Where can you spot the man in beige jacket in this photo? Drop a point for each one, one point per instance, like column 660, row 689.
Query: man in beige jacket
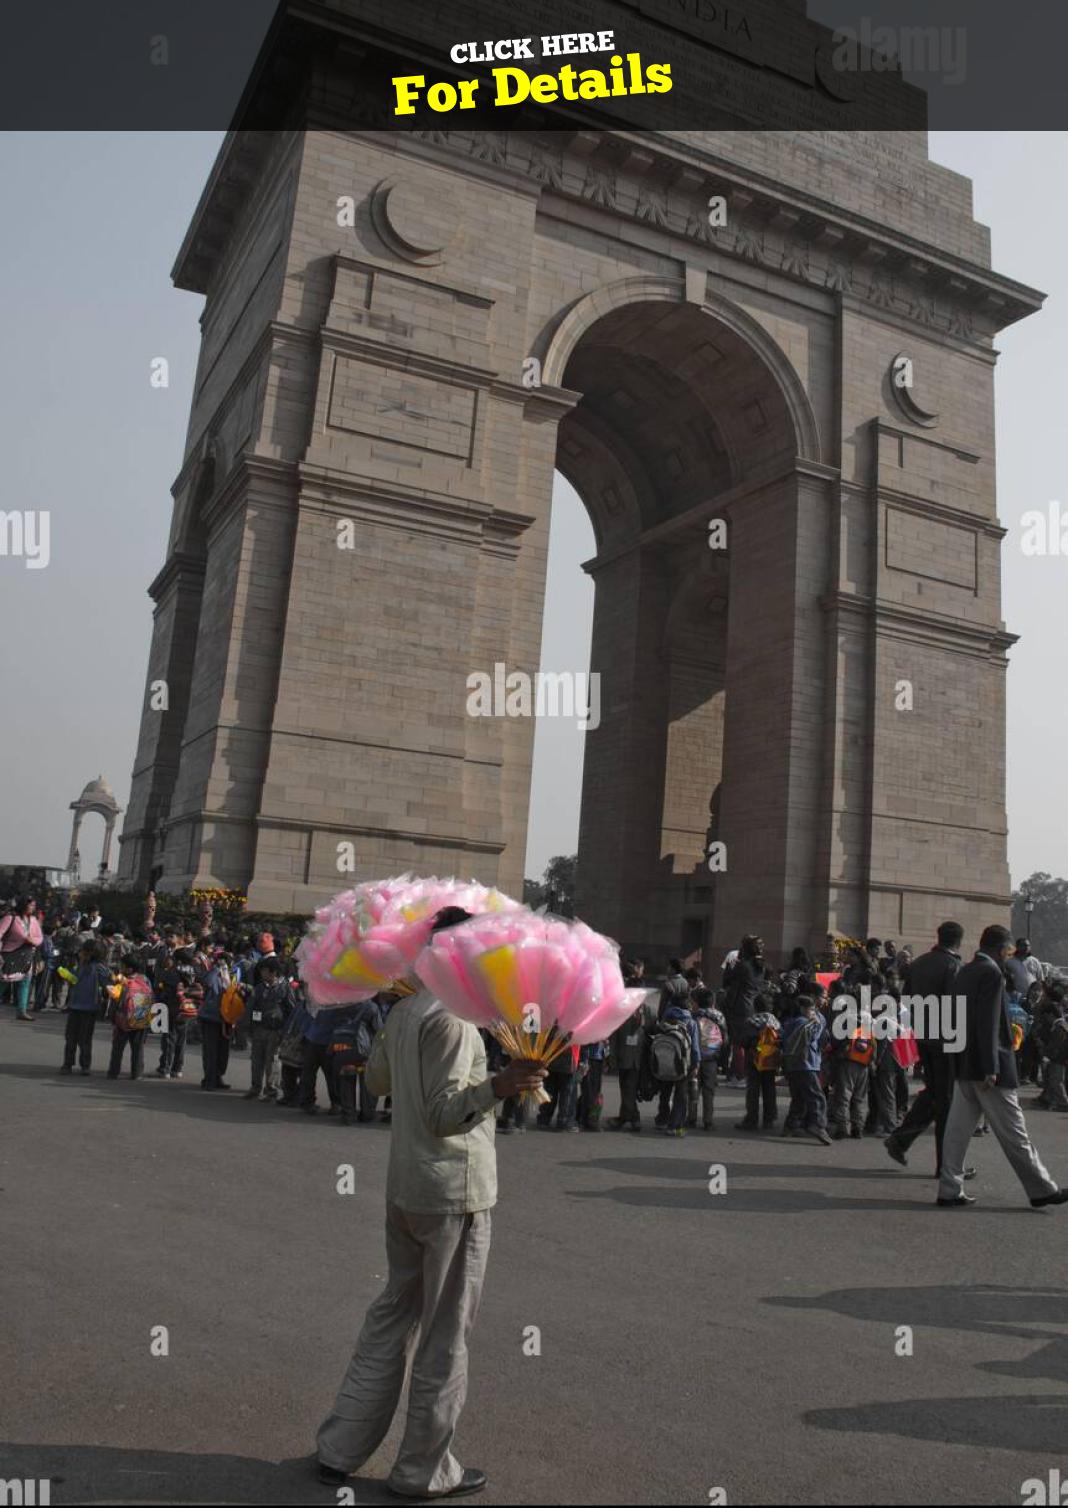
column 441, row 1186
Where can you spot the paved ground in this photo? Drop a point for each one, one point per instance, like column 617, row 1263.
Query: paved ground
column 688, row 1341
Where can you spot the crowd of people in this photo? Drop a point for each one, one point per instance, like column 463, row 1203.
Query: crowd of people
column 762, row 1030
column 222, row 991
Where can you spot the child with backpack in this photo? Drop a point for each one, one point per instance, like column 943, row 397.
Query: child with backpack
column 291, row 1054
column 760, row 1035
column 886, row 1075
column 628, row 1051
column 350, row 1047
column 87, row 995
column 131, row 1017
column 177, row 989
column 803, row 1033
column 712, row 1036
column 591, row 1099
column 853, row 1049
column 561, row 1085
column 1050, row 1034
column 222, row 1005
column 674, row 1048
column 269, row 1010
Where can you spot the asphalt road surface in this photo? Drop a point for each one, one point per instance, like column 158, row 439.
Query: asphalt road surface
column 746, row 1341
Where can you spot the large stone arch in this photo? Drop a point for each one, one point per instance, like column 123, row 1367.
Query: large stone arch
column 367, row 380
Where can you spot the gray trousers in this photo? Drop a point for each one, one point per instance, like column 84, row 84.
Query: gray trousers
column 265, row 1058
column 437, row 1264
column 849, row 1094
column 1054, row 1091
column 972, row 1099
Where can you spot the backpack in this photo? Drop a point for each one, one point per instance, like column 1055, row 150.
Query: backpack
column 711, row 1034
column 795, row 1043
column 861, row 1047
column 767, row 1052
column 291, row 1049
column 232, row 1004
column 350, row 1046
column 669, row 1052
column 133, row 1009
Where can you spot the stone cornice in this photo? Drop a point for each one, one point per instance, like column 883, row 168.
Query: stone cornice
column 443, row 368
column 778, row 229
column 180, row 563
column 922, row 627
column 925, row 508
column 920, row 437
column 496, row 530
column 296, row 824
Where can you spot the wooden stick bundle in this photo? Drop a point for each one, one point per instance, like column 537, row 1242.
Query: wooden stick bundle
column 543, row 1048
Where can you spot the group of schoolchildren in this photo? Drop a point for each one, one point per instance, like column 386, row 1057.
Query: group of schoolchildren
column 171, row 987
column 763, row 1031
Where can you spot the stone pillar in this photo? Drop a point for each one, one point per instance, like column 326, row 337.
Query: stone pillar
column 75, row 828
column 109, row 828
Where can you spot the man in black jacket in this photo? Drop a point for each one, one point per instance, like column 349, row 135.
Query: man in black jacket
column 932, row 973
column 987, row 1083
column 743, row 983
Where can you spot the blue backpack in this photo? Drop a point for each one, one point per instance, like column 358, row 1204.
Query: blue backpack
column 350, row 1045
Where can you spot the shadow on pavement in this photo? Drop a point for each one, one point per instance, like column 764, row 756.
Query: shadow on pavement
column 1032, row 1423
column 184, row 1097
column 685, row 1166
column 1035, row 1422
column 791, row 1201
column 102, row 1474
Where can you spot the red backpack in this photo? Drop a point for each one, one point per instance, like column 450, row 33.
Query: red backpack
column 133, row 1009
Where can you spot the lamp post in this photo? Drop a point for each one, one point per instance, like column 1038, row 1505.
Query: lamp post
column 1029, row 906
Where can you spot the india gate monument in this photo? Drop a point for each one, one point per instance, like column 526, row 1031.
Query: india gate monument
column 765, row 361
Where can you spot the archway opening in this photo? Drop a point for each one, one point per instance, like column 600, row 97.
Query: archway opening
column 680, row 422
column 567, row 625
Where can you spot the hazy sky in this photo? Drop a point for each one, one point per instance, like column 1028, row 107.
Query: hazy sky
column 93, row 223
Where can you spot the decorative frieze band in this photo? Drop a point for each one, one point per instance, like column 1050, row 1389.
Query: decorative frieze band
column 650, row 184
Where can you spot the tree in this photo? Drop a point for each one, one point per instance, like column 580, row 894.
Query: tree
column 1049, row 919
column 559, row 882
column 556, row 888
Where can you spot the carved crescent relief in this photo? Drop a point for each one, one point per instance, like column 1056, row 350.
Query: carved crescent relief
column 902, row 376
column 415, row 225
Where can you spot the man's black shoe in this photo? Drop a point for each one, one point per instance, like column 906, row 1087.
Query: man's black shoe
column 962, row 1201
column 1060, row 1197
column 895, row 1151
column 471, row 1482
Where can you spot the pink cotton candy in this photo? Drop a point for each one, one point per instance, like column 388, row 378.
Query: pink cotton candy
column 567, row 970
column 374, row 932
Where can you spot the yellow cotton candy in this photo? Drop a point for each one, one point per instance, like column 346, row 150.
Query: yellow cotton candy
column 352, row 969
column 498, row 968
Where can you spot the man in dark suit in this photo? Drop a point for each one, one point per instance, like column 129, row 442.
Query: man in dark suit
column 987, row 1083
column 932, row 973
